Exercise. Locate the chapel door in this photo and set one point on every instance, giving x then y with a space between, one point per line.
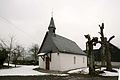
47 63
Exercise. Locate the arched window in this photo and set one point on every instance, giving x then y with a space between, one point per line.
83 59
74 60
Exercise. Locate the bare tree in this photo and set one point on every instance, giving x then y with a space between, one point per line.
9 47
89 48
34 49
3 56
106 55
102 44
17 53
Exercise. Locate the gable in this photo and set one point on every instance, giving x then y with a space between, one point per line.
55 43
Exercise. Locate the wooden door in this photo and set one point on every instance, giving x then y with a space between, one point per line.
47 63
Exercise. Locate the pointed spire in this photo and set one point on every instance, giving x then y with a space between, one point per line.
51 27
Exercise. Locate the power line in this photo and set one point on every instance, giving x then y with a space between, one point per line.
16 27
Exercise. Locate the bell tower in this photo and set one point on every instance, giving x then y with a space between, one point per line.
51 27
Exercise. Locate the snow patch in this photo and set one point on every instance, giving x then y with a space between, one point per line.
81 70
23 70
119 74
108 73
60 74
86 71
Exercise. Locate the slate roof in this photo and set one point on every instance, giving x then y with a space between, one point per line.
115 53
65 45
54 43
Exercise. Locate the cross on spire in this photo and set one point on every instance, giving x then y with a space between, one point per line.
52 13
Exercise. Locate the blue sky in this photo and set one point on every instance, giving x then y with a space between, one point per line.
28 20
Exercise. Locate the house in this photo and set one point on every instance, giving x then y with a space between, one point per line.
115 53
59 53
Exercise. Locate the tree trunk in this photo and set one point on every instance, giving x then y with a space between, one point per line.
87 51
91 58
8 60
103 55
108 57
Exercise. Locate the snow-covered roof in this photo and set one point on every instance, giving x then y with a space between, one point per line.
41 54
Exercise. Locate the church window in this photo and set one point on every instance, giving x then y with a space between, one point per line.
74 60
83 59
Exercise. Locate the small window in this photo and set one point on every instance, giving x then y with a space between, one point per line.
83 59
74 60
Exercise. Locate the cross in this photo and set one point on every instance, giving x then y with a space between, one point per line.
52 13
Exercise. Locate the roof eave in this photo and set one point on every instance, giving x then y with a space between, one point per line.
72 53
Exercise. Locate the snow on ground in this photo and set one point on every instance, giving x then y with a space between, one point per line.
108 73
27 70
86 71
81 70
21 70
24 70
60 74
119 74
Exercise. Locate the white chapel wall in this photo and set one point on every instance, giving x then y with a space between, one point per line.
55 62
63 61
41 63
67 61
